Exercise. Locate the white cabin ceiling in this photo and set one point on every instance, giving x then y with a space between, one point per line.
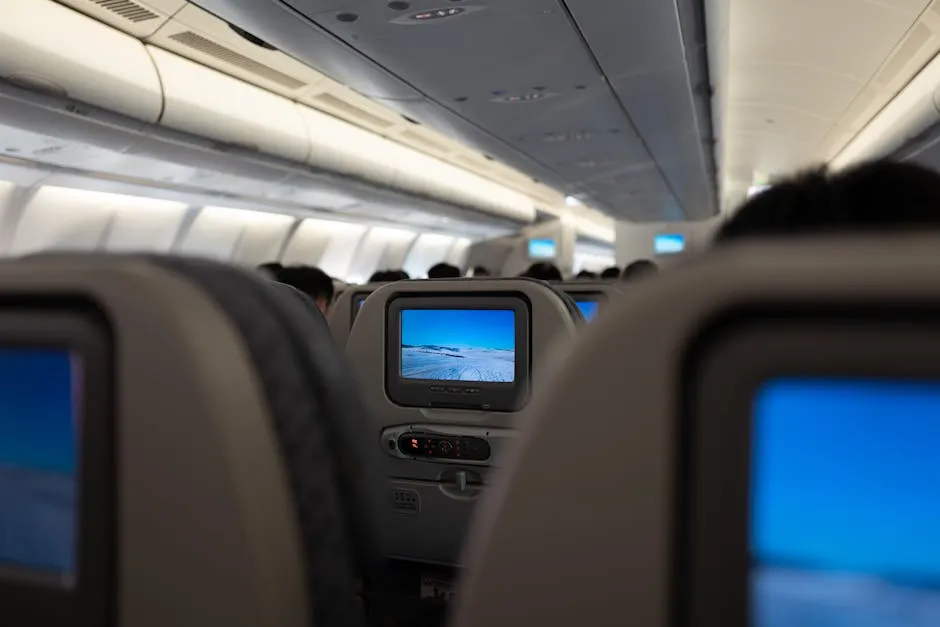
805 76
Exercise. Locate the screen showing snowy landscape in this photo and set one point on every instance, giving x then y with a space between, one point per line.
458 345
588 308
38 459
845 504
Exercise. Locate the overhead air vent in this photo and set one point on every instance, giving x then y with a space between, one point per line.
349 112
128 10
207 46
433 16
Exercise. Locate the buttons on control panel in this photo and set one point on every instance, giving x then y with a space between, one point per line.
444 447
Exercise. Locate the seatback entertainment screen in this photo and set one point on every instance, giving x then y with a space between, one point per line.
38 462
458 345
588 308
845 503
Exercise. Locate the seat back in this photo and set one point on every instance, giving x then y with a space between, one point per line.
662 474
346 308
425 498
209 489
591 296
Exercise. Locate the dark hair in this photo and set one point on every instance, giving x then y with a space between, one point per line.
388 276
639 268
313 282
586 274
272 268
869 198
544 271
443 271
481 271
612 272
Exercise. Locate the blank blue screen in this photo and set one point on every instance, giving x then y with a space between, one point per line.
845 504
458 344
588 308
38 461
542 248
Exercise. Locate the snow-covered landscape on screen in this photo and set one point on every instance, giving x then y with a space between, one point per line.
448 363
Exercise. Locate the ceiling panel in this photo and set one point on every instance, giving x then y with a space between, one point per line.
654 54
499 75
806 75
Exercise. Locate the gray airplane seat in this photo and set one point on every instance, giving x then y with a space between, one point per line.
344 310
446 368
751 443
208 481
591 297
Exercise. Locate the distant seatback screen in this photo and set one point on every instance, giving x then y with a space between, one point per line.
588 308
845 504
458 345
542 249
38 462
669 244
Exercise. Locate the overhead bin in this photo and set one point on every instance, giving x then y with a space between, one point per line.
210 104
341 147
51 48
912 112
338 146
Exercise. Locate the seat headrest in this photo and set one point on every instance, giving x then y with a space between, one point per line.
197 469
346 307
627 501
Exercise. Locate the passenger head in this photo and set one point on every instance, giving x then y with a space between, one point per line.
639 268
586 274
313 282
612 272
270 269
870 198
481 271
443 271
388 276
543 271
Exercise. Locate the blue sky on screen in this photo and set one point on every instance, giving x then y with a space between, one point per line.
476 328
37 429
846 476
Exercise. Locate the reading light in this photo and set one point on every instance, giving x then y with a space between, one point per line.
529 97
434 15
437 14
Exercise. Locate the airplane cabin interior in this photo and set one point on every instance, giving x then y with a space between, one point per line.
469 313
